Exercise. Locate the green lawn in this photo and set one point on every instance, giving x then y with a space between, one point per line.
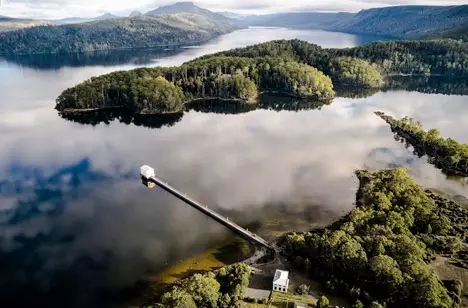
282 300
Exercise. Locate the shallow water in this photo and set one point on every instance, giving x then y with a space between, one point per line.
76 223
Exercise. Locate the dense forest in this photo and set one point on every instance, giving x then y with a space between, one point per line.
224 289
436 57
220 77
118 33
446 154
378 254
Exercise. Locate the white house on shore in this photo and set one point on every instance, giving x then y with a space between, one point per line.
281 281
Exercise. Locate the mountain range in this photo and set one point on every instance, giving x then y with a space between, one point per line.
76 20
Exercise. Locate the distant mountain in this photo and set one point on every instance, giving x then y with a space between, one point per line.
399 21
135 14
10 24
309 20
233 15
406 21
77 20
179 7
189 8
158 30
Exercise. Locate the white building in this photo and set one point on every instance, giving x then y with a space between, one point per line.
281 281
147 172
300 305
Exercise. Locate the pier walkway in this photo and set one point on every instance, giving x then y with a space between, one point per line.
246 234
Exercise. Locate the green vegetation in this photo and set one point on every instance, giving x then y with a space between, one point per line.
356 72
446 154
436 57
219 77
376 254
296 68
323 302
135 32
224 289
303 289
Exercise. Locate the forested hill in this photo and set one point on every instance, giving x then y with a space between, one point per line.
132 32
425 57
10 24
409 22
308 20
406 21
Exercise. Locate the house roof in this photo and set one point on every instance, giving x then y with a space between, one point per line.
281 278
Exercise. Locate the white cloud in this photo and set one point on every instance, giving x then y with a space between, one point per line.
68 8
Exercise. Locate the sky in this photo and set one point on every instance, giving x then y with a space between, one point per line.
90 8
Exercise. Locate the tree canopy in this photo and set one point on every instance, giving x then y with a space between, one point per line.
224 290
375 254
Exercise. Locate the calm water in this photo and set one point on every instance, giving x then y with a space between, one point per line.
76 223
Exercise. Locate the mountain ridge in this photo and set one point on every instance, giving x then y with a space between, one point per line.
404 22
77 20
143 31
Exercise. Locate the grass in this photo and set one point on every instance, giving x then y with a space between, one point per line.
219 256
282 300
445 270
285 297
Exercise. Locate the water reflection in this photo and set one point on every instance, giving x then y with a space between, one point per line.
98 58
422 84
123 116
430 84
266 102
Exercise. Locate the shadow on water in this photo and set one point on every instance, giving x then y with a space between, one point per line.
95 58
266 102
422 84
123 116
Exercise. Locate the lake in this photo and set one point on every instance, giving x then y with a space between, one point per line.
77 225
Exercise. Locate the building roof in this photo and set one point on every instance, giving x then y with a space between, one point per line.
281 278
300 305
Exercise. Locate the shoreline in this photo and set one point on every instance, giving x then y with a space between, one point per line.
185 104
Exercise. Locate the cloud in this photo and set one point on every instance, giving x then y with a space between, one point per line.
89 8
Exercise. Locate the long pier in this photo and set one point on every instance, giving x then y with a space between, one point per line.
246 234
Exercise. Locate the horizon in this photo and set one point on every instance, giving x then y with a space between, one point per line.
60 9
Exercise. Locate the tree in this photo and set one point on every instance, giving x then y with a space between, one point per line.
375 305
178 298
323 302
204 289
303 289
358 304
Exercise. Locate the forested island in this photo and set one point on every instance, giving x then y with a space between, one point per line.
379 254
167 90
446 154
293 67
